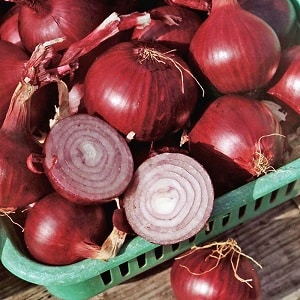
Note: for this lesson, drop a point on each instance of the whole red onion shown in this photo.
(124, 86)
(216, 271)
(236, 139)
(236, 50)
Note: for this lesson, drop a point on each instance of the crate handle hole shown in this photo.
(258, 203)
(141, 260)
(106, 277)
(124, 269)
(242, 211)
(175, 247)
(209, 227)
(158, 252)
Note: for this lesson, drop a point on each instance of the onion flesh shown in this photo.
(169, 199)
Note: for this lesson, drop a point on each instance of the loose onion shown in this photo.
(217, 271)
(236, 139)
(124, 86)
(236, 50)
(169, 199)
(86, 160)
(58, 232)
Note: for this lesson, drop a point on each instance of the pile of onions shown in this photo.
(216, 271)
(236, 50)
(87, 160)
(286, 86)
(124, 86)
(59, 232)
(169, 199)
(171, 26)
(236, 139)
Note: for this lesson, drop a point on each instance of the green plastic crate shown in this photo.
(89, 277)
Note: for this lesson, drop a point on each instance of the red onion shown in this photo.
(124, 86)
(279, 14)
(204, 5)
(286, 86)
(72, 19)
(169, 199)
(217, 271)
(58, 232)
(9, 30)
(236, 50)
(87, 160)
(19, 186)
(171, 26)
(236, 139)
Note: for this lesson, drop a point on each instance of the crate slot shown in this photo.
(273, 196)
(124, 269)
(242, 211)
(106, 277)
(175, 247)
(209, 228)
(158, 252)
(258, 203)
(141, 260)
(290, 187)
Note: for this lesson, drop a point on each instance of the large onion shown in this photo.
(169, 199)
(86, 160)
(141, 88)
(236, 139)
(236, 50)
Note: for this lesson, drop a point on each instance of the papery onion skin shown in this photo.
(86, 160)
(236, 50)
(59, 232)
(177, 36)
(135, 92)
(229, 138)
(216, 284)
(286, 85)
(169, 199)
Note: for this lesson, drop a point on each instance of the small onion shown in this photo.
(141, 88)
(169, 199)
(236, 50)
(86, 160)
(217, 271)
(59, 232)
(236, 139)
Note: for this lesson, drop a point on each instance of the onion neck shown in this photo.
(216, 4)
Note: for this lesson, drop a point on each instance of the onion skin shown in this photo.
(286, 82)
(216, 284)
(169, 199)
(176, 35)
(86, 160)
(124, 87)
(228, 143)
(236, 50)
(58, 232)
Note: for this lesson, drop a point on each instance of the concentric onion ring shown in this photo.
(169, 199)
(87, 160)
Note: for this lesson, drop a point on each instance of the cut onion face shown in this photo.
(169, 199)
(86, 160)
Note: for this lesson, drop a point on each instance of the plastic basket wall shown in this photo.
(87, 278)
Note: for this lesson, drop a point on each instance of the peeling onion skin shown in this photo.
(59, 232)
(137, 94)
(237, 51)
(86, 160)
(169, 199)
(227, 140)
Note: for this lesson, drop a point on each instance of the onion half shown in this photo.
(87, 160)
(169, 199)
